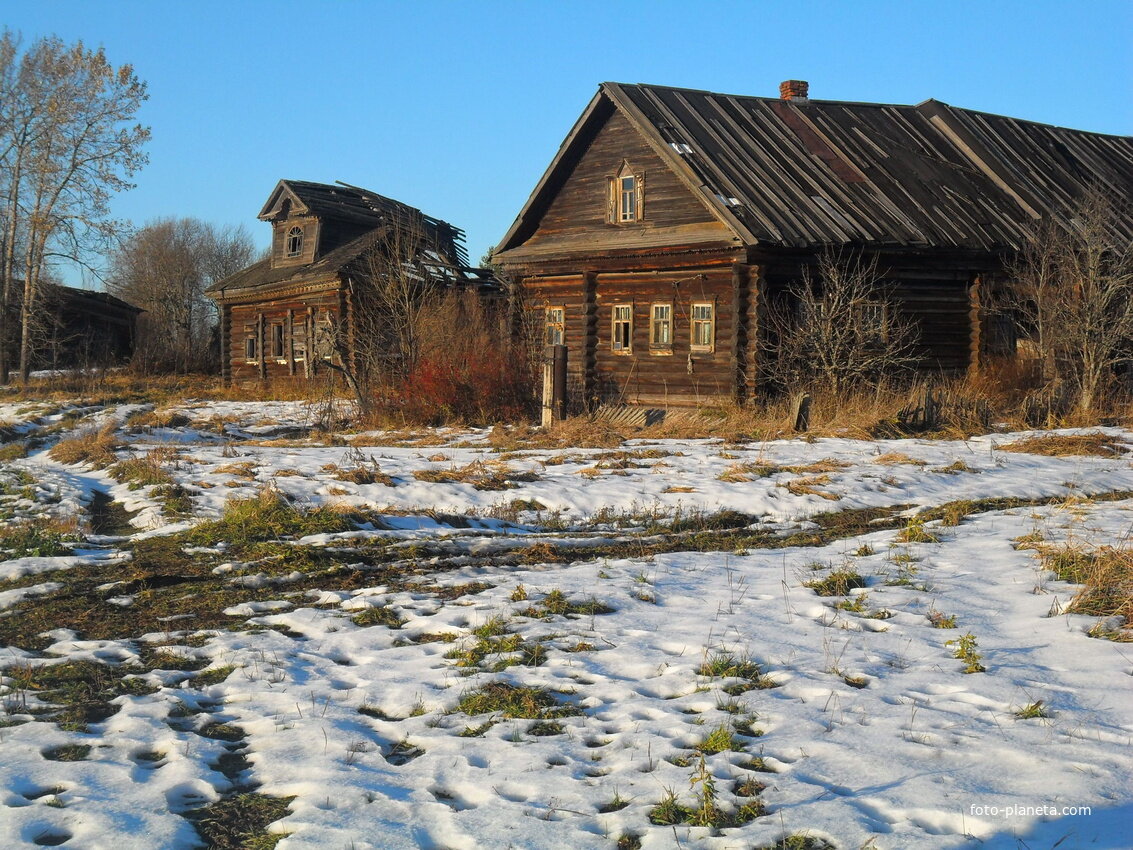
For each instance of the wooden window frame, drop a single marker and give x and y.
(277, 340)
(694, 322)
(621, 342)
(293, 242)
(251, 349)
(656, 345)
(877, 329)
(557, 325)
(326, 327)
(616, 203)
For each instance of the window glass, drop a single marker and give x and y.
(627, 193)
(703, 326)
(555, 326)
(622, 331)
(295, 242)
(661, 325)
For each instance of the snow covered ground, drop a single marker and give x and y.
(856, 725)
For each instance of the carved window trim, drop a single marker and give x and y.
(626, 204)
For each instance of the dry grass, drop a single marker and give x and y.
(1063, 445)
(895, 458)
(810, 486)
(483, 475)
(1106, 576)
(95, 447)
(740, 472)
(245, 470)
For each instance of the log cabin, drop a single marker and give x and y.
(75, 328)
(670, 220)
(291, 316)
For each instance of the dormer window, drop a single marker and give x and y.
(295, 241)
(626, 195)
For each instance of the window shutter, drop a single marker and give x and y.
(639, 186)
(612, 200)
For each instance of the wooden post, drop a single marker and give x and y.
(554, 384)
(975, 318)
(226, 343)
(260, 346)
(291, 342)
(311, 347)
(756, 298)
(800, 412)
(739, 334)
(590, 338)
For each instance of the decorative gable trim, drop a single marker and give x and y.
(281, 193)
(596, 114)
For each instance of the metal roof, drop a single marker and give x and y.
(801, 173)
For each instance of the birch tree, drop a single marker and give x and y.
(70, 141)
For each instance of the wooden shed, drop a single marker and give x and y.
(290, 316)
(670, 219)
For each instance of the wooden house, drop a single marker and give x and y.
(75, 328)
(670, 219)
(291, 316)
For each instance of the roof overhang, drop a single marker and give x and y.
(608, 98)
(282, 192)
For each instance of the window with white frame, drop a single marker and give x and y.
(627, 195)
(554, 325)
(703, 331)
(621, 330)
(251, 349)
(295, 241)
(661, 326)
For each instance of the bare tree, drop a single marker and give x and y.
(1071, 291)
(398, 279)
(165, 268)
(837, 327)
(68, 143)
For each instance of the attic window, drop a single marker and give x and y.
(627, 195)
(295, 241)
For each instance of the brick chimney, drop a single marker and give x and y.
(793, 89)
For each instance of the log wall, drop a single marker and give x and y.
(579, 212)
(296, 322)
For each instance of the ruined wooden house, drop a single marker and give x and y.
(292, 315)
(75, 328)
(670, 219)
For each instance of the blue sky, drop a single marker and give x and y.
(458, 107)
